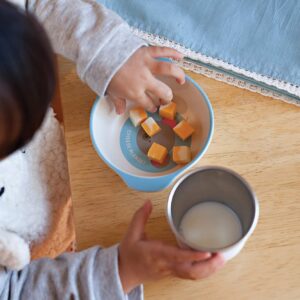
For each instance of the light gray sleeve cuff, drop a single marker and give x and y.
(95, 38)
(110, 59)
(112, 286)
(92, 274)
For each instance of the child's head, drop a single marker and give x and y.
(27, 77)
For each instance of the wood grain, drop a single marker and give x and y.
(257, 136)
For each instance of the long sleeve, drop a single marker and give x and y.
(95, 38)
(90, 275)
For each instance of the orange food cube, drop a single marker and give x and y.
(151, 127)
(182, 155)
(184, 130)
(157, 153)
(137, 116)
(168, 111)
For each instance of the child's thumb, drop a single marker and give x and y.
(138, 222)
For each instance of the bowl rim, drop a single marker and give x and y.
(176, 172)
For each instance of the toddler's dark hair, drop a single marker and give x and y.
(27, 77)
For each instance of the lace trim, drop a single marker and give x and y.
(244, 84)
(209, 72)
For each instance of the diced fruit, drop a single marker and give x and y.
(157, 153)
(151, 127)
(137, 116)
(182, 155)
(160, 165)
(184, 130)
(168, 111)
(170, 123)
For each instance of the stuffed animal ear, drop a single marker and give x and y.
(14, 251)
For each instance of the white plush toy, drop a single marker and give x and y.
(33, 182)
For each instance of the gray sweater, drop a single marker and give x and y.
(99, 42)
(90, 274)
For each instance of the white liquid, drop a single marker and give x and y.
(211, 225)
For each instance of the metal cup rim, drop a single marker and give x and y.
(245, 236)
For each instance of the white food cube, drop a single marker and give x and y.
(150, 127)
(137, 116)
(182, 155)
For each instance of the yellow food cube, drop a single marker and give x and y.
(184, 130)
(182, 155)
(168, 111)
(157, 153)
(151, 127)
(137, 116)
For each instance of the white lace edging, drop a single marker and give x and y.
(209, 72)
(244, 84)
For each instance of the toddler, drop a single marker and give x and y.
(111, 61)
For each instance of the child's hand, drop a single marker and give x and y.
(141, 260)
(136, 80)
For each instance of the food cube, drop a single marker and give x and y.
(168, 111)
(170, 123)
(157, 153)
(183, 130)
(182, 155)
(151, 127)
(137, 116)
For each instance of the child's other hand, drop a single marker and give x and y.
(141, 259)
(136, 80)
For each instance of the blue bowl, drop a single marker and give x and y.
(123, 147)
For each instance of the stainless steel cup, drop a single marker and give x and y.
(214, 184)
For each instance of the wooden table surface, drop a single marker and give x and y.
(257, 136)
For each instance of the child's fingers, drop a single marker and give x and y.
(147, 103)
(157, 52)
(119, 103)
(155, 99)
(207, 268)
(160, 90)
(138, 222)
(200, 269)
(177, 255)
(168, 69)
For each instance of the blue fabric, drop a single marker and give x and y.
(259, 36)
